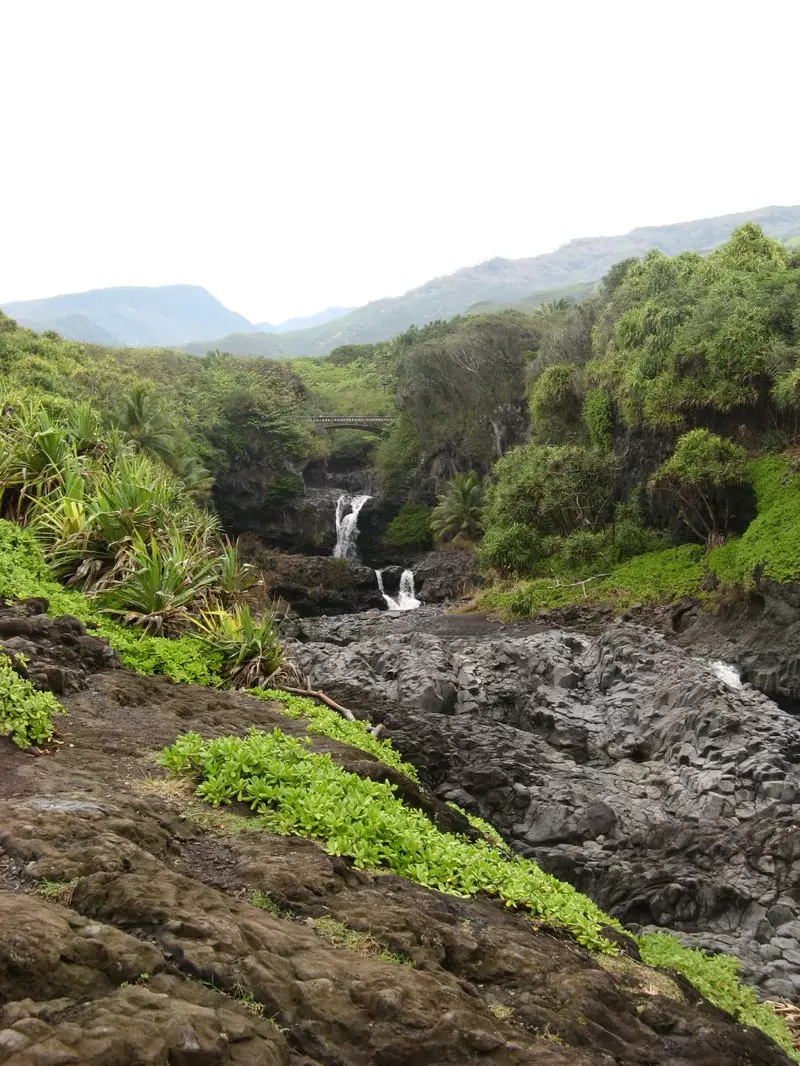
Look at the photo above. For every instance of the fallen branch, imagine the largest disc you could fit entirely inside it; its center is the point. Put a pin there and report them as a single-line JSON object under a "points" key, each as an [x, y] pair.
{"points": [[317, 695], [583, 584]]}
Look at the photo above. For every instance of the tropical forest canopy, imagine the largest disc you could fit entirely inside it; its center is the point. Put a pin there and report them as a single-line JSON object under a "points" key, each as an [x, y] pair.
{"points": [[628, 423]]}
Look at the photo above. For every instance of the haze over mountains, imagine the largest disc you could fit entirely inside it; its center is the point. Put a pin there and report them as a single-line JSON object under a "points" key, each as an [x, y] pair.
{"points": [[183, 315]]}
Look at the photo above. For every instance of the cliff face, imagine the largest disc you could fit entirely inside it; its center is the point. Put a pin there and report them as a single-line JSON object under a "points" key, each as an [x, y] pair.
{"points": [[140, 926]]}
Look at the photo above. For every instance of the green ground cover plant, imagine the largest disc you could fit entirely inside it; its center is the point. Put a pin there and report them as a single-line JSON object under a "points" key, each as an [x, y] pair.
{"points": [[321, 719], [293, 790], [717, 978], [654, 577], [26, 715]]}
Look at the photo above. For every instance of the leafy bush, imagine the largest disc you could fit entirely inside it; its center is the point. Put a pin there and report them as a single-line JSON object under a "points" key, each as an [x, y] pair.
{"points": [[556, 403], [681, 336], [410, 528], [698, 475], [458, 509], [397, 454], [295, 791], [26, 715], [554, 490], [514, 549], [716, 978], [598, 414]]}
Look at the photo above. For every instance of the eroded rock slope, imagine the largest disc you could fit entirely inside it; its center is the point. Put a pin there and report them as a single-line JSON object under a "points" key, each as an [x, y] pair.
{"points": [[620, 762], [149, 948]]}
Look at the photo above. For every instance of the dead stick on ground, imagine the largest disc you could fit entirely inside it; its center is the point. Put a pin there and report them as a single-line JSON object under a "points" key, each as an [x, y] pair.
{"points": [[334, 706]]}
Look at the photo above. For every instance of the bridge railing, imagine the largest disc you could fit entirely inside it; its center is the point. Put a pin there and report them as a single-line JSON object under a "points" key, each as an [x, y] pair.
{"points": [[351, 420]]}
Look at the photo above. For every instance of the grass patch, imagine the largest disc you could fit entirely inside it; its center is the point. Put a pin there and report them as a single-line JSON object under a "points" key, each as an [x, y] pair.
{"points": [[770, 545], [265, 902], [340, 935], [501, 1011], [655, 577], [57, 891], [640, 979]]}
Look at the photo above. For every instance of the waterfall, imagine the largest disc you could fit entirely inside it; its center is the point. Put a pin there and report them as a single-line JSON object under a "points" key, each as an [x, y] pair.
{"points": [[725, 672], [406, 598], [347, 525]]}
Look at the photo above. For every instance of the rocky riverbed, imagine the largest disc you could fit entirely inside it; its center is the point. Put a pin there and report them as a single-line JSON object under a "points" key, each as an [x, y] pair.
{"points": [[619, 761]]}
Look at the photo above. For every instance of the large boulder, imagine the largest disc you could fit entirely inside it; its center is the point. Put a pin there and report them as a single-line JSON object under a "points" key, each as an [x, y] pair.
{"points": [[445, 575]]}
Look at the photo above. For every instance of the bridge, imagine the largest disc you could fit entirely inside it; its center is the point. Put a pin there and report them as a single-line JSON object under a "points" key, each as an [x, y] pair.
{"points": [[368, 422]]}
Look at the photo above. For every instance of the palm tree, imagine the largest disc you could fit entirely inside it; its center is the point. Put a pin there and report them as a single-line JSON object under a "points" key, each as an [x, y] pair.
{"points": [[458, 509], [141, 418], [552, 307]]}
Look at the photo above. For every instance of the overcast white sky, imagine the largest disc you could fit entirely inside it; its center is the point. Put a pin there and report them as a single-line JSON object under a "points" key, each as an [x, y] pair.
{"points": [[293, 154]]}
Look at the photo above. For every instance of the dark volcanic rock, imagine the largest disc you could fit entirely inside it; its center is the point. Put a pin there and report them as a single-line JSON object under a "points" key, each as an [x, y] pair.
{"points": [[445, 575], [154, 953], [759, 632], [618, 762], [312, 584]]}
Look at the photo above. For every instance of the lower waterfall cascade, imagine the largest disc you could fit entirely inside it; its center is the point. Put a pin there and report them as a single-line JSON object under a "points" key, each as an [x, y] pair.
{"points": [[406, 596]]}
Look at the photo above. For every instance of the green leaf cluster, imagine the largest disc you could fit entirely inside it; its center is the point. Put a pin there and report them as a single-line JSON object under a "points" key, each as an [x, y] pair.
{"points": [[26, 715], [410, 528], [321, 719], [717, 978], [294, 791]]}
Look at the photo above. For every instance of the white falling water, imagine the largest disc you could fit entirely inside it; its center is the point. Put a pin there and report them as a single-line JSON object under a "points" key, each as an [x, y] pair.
{"points": [[347, 525], [406, 598], [725, 672]]}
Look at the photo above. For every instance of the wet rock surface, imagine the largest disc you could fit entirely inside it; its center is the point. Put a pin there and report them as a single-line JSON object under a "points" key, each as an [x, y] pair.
{"points": [[618, 761], [759, 632], [148, 949]]}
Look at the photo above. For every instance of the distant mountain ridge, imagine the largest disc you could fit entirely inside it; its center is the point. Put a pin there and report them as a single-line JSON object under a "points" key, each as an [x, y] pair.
{"points": [[291, 324], [173, 315], [502, 281], [161, 316]]}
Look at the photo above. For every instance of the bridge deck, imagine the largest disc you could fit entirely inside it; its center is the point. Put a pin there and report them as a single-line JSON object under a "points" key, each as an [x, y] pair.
{"points": [[353, 421]]}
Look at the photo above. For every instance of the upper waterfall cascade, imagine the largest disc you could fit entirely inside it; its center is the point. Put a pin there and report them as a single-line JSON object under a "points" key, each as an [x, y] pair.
{"points": [[347, 525], [406, 596]]}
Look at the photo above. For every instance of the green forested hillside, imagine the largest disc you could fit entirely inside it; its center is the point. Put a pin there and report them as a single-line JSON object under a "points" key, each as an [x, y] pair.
{"points": [[663, 412], [502, 281]]}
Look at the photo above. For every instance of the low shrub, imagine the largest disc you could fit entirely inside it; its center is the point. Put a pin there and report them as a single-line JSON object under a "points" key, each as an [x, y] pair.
{"points": [[511, 550], [26, 715], [410, 528]]}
